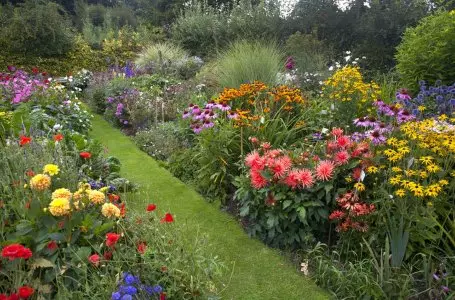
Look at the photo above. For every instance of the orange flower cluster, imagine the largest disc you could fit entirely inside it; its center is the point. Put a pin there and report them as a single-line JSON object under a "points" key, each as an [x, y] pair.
{"points": [[252, 101]]}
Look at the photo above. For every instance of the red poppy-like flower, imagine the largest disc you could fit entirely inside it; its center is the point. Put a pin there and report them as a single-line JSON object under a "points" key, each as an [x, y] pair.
{"points": [[58, 137], [24, 140], [13, 297], [162, 296], [111, 239], [14, 251], [151, 207], [107, 255], [52, 245], [30, 173], [167, 218], [141, 247], [25, 292], [85, 155], [113, 197], [94, 259], [122, 208]]}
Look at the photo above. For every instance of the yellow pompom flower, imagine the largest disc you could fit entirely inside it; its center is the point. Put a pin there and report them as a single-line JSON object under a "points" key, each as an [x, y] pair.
{"points": [[61, 193], [59, 207], [40, 182], [359, 186], [51, 169], [96, 197], [109, 210]]}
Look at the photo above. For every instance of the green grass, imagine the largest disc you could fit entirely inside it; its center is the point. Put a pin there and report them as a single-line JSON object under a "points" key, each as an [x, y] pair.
{"points": [[258, 271]]}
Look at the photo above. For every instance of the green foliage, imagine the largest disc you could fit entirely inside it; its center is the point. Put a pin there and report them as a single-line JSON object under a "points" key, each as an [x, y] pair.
{"points": [[37, 28], [245, 62], [161, 141], [427, 51], [309, 53]]}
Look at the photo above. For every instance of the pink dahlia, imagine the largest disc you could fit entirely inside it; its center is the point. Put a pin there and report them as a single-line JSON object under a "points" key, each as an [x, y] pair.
{"points": [[281, 166], [254, 161], [305, 178], [343, 141], [324, 170], [337, 131], [341, 157], [257, 180], [292, 180], [336, 215]]}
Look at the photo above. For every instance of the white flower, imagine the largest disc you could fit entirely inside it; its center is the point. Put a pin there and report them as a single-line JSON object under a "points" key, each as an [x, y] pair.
{"points": [[57, 127], [347, 58], [331, 68], [364, 57], [321, 83], [324, 130], [348, 52], [354, 62]]}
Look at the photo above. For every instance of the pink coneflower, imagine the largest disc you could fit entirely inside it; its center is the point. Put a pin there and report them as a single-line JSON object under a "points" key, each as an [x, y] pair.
{"points": [[257, 180], [337, 131], [196, 110], [232, 115], [292, 180], [224, 107], [377, 138], [341, 157], [280, 166], [208, 124], [186, 114], [324, 170], [197, 129], [343, 141], [305, 178]]}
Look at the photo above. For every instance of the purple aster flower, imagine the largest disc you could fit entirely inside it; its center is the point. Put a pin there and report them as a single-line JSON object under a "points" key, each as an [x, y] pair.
{"points": [[290, 63], [127, 297], [110, 99], [130, 279], [445, 289], [128, 289], [357, 136], [116, 296], [157, 289], [317, 136], [435, 276]]}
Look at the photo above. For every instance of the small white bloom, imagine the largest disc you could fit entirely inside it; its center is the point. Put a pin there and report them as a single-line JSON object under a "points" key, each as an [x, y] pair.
{"points": [[348, 52], [331, 68], [354, 62], [324, 130], [347, 58]]}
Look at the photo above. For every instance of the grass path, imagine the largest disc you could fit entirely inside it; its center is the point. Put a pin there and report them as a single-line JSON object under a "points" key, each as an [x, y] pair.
{"points": [[259, 272]]}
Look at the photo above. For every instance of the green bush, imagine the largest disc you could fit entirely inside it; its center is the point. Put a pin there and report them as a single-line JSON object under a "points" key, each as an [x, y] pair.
{"points": [[428, 51], [38, 28], [245, 62], [309, 53], [201, 30]]}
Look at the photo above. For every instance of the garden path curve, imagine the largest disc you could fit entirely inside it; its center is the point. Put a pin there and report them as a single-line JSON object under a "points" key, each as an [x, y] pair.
{"points": [[259, 272]]}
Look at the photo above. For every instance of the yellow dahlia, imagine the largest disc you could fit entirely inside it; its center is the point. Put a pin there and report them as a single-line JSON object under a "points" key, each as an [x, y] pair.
{"points": [[59, 207], [96, 197], [61, 193], [40, 182], [109, 210], [51, 169]]}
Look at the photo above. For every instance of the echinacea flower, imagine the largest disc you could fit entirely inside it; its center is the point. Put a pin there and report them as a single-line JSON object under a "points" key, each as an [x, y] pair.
{"points": [[15, 251], [24, 140], [109, 210], [111, 239], [324, 170], [51, 169], [168, 218], [59, 207], [40, 182]]}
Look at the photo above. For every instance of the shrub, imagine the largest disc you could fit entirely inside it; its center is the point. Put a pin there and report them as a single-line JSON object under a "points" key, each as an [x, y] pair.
{"points": [[38, 28], [161, 141], [427, 51], [309, 53], [246, 62]]}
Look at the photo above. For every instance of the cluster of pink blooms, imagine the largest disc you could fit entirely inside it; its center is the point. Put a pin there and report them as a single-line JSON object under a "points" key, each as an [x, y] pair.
{"points": [[19, 85], [351, 208], [203, 118], [269, 166]]}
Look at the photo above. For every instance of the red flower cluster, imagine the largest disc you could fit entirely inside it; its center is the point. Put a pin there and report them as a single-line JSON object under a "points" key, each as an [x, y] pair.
{"points": [[94, 259], [151, 207], [168, 218], [351, 209], [14, 251], [24, 292], [24, 140]]}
